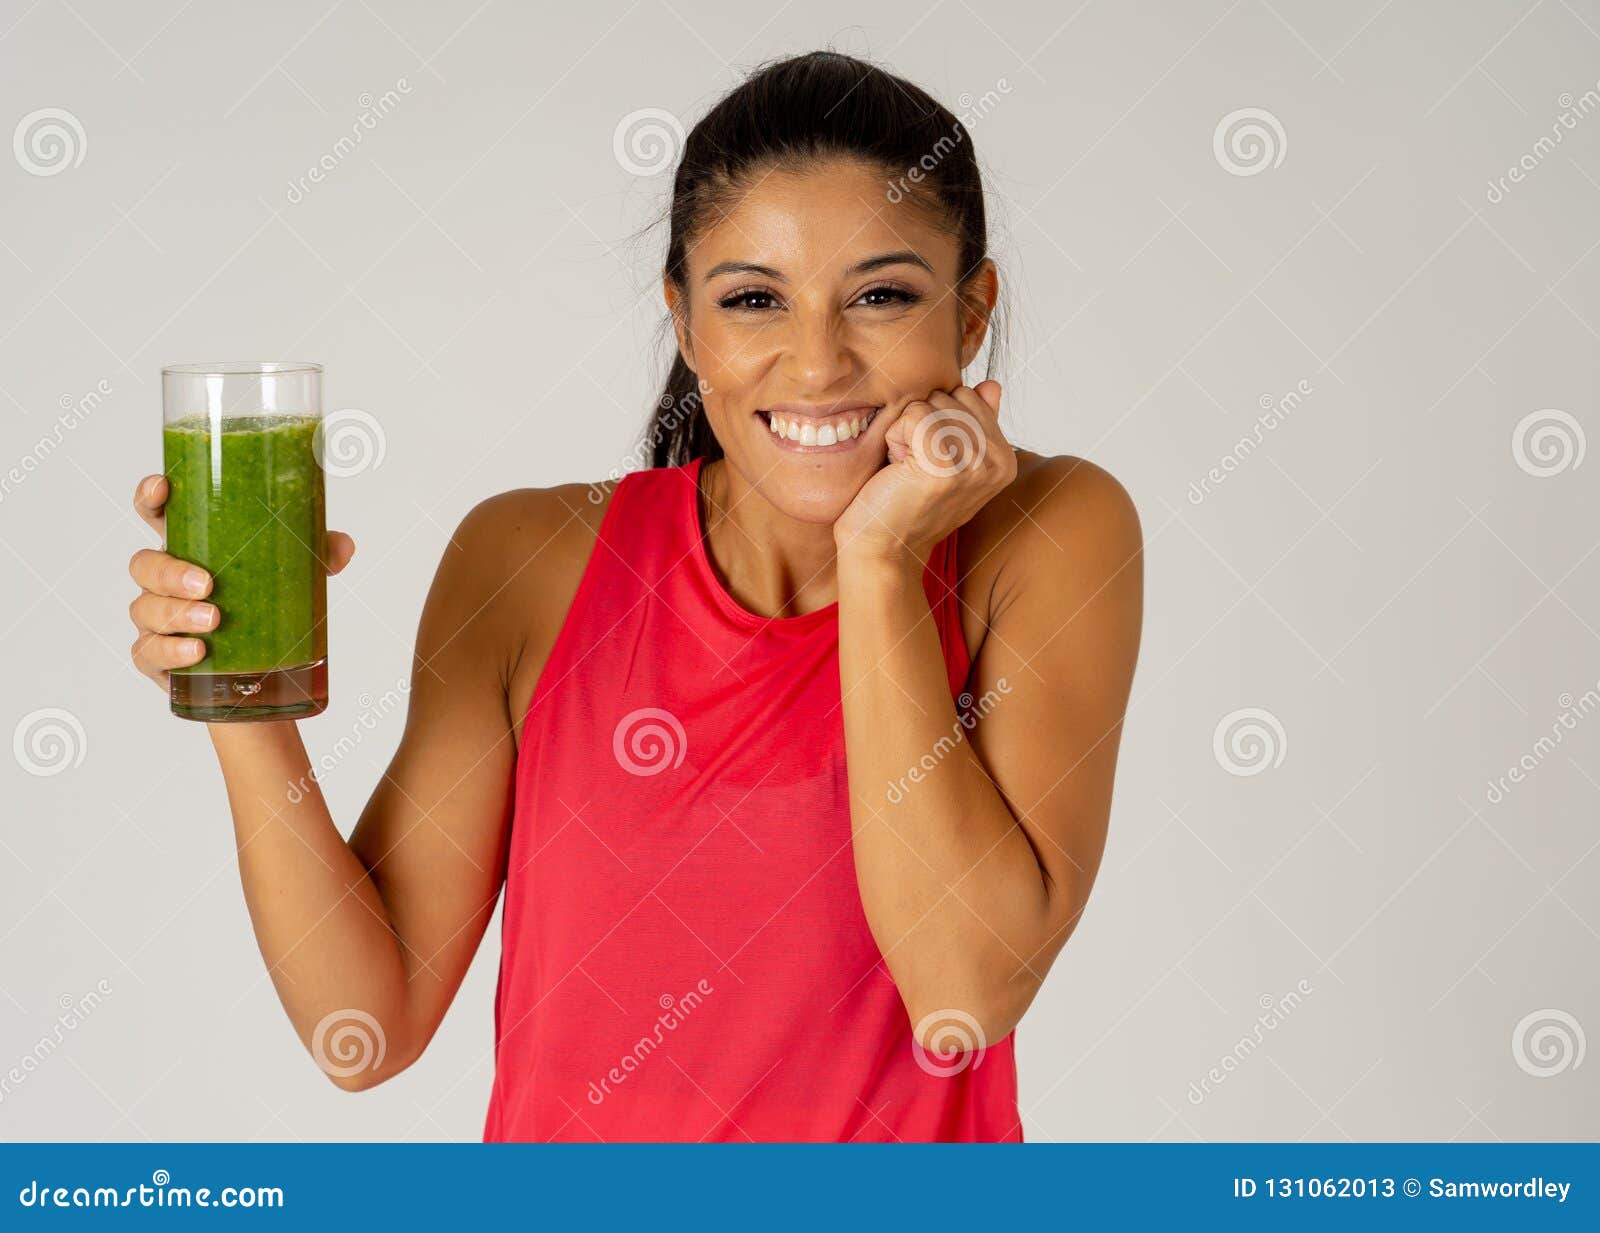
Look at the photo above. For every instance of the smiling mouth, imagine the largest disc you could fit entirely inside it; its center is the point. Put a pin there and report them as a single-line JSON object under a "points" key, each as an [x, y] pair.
{"points": [[818, 432]]}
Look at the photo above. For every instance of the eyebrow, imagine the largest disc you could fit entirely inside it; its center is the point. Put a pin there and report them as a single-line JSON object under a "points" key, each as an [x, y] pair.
{"points": [[743, 267], [902, 257]]}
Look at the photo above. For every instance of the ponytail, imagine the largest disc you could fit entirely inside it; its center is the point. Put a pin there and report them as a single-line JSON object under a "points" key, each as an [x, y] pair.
{"points": [[679, 430]]}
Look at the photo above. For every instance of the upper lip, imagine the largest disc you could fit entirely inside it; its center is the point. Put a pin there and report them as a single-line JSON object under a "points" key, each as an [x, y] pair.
{"points": [[819, 410]]}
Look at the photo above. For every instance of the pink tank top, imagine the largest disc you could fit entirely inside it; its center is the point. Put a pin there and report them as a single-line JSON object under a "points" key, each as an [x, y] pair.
{"points": [[684, 951]]}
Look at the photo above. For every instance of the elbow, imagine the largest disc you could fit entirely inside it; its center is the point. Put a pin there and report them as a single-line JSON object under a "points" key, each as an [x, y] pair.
{"points": [[962, 1003], [355, 1054], [962, 1006], [361, 1081], [962, 1019], [950, 1033]]}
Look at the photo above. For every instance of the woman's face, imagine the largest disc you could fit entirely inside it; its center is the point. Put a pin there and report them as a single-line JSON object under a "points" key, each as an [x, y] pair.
{"points": [[813, 305]]}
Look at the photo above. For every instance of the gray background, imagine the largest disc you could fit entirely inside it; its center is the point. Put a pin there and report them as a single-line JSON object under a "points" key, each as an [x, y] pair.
{"points": [[1413, 607]]}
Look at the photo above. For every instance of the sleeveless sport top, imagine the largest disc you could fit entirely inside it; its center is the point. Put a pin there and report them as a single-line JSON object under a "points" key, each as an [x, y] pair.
{"points": [[684, 951]]}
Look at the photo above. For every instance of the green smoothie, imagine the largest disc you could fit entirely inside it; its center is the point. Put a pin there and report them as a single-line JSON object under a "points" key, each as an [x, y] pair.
{"points": [[247, 504]]}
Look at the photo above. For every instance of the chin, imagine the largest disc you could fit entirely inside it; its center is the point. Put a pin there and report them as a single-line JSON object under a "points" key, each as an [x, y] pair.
{"points": [[813, 490], [819, 500]]}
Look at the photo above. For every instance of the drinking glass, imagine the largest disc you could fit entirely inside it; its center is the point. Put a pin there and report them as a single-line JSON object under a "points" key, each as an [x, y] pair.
{"points": [[241, 444]]}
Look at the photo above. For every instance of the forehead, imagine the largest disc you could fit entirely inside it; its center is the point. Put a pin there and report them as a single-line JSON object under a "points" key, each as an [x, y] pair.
{"points": [[826, 215]]}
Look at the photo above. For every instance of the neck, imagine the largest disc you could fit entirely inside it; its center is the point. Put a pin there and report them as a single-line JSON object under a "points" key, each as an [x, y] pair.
{"points": [[773, 565]]}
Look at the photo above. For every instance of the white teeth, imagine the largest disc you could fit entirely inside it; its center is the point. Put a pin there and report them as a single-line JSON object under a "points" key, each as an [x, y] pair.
{"points": [[807, 431]]}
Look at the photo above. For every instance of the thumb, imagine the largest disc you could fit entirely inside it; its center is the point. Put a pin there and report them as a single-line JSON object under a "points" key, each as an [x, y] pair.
{"points": [[340, 549], [896, 442], [989, 391]]}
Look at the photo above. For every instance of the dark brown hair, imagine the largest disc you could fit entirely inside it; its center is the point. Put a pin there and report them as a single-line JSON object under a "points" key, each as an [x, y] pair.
{"points": [[819, 105]]}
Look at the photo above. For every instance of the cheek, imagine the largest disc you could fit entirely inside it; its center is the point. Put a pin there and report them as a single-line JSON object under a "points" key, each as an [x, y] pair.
{"points": [[913, 349], [731, 361], [731, 349]]}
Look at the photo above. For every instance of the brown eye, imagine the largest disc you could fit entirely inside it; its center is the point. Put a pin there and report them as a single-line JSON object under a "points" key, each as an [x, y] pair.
{"points": [[747, 300], [881, 297]]}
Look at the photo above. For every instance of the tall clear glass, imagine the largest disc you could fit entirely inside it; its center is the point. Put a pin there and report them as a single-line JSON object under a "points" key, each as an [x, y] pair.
{"points": [[242, 456]]}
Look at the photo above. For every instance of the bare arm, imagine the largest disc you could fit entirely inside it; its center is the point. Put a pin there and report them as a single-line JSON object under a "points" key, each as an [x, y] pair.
{"points": [[975, 867], [377, 931]]}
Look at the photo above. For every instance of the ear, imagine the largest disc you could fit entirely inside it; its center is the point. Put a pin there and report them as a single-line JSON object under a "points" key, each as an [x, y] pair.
{"points": [[678, 309], [977, 300]]}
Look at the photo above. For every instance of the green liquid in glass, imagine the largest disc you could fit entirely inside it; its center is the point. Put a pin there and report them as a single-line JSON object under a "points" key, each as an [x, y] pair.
{"points": [[247, 505]]}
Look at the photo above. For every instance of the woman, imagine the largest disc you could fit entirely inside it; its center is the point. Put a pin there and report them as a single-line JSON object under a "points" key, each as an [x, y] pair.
{"points": [[793, 753]]}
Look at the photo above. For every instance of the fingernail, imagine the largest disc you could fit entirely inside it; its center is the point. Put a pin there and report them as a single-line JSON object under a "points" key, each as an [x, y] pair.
{"points": [[194, 647], [194, 581], [202, 616]]}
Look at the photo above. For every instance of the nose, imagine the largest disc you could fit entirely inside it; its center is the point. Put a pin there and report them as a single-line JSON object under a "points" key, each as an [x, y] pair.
{"points": [[817, 358]]}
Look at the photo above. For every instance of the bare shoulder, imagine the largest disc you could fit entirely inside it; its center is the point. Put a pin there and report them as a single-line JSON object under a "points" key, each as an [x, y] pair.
{"points": [[1076, 497], [553, 524], [1064, 527], [510, 571]]}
